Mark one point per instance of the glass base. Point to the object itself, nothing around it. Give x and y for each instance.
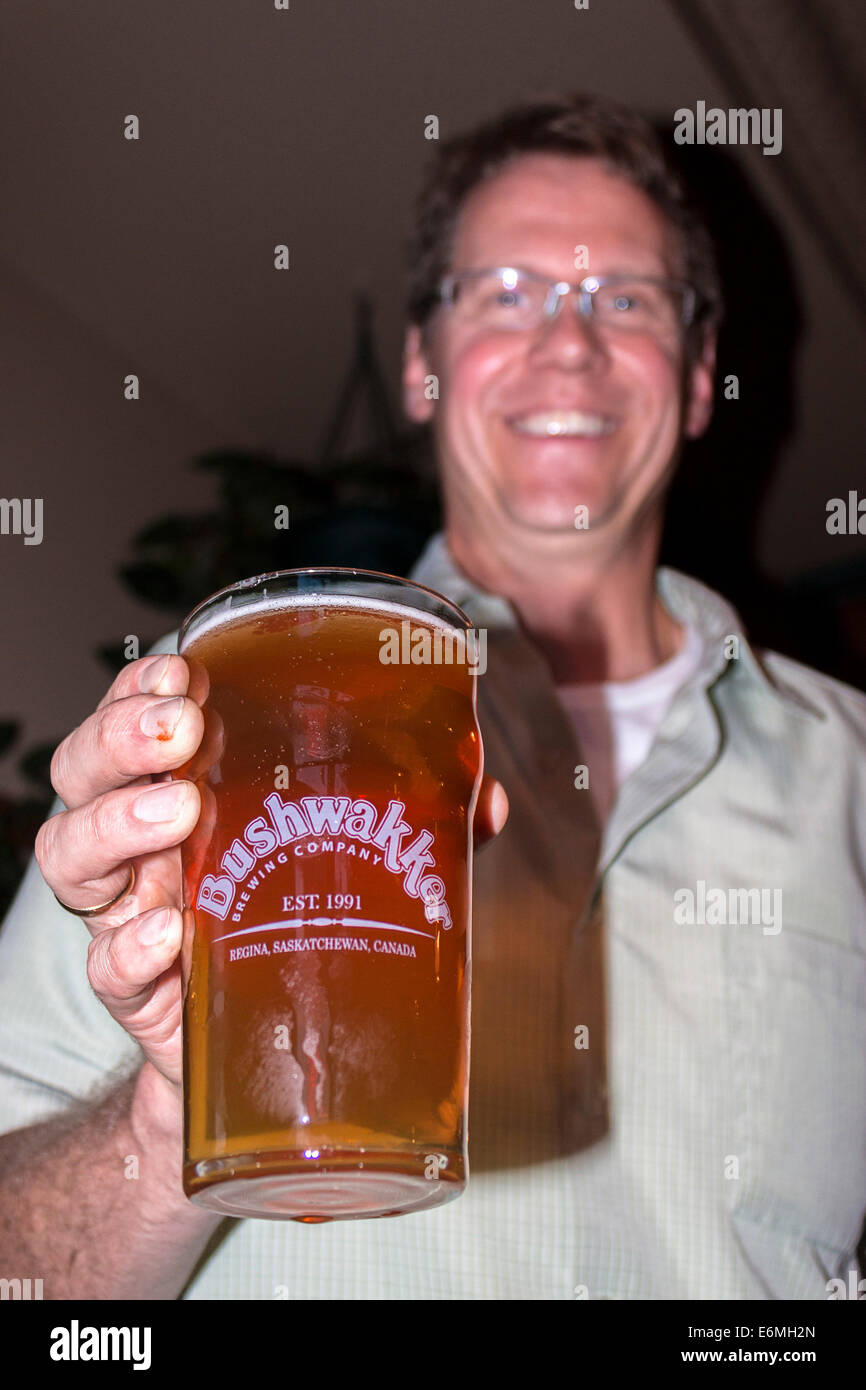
(278, 1187)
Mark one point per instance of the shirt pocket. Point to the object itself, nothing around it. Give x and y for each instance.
(797, 1014)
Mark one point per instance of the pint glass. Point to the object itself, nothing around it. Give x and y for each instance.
(327, 895)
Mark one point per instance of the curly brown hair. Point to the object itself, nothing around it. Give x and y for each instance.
(572, 124)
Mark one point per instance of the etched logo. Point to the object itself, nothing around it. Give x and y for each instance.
(290, 821)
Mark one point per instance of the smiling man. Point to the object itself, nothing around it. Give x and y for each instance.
(544, 410)
(668, 1101)
(565, 297)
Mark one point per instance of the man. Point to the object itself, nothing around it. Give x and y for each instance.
(669, 957)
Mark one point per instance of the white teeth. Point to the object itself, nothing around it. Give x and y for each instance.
(563, 422)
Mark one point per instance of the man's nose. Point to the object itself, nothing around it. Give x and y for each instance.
(570, 336)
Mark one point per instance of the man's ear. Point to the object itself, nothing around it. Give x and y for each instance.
(416, 370)
(700, 382)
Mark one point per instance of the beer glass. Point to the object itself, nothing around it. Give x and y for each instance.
(327, 895)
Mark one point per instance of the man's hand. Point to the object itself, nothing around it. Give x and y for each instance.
(119, 814)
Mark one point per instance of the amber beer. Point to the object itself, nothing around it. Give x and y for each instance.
(327, 892)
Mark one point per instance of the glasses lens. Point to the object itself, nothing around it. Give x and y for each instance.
(642, 306)
(499, 300)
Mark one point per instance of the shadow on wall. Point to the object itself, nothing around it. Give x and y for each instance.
(720, 489)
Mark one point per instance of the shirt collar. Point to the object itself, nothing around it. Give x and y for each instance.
(723, 639)
(437, 569)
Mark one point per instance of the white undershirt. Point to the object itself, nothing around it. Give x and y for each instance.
(616, 721)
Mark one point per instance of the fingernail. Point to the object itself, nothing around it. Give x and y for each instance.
(161, 720)
(152, 927)
(160, 803)
(152, 674)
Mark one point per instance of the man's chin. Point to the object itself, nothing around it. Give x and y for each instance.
(552, 518)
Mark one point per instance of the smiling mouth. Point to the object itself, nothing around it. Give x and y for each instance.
(562, 424)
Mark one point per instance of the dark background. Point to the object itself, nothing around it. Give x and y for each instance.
(306, 126)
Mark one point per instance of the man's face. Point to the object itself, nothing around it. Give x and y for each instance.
(630, 394)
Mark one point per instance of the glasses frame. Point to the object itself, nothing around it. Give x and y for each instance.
(557, 290)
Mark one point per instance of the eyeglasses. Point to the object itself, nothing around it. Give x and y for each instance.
(514, 300)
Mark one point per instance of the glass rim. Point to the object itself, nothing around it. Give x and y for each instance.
(240, 585)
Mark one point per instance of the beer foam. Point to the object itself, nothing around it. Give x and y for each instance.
(395, 613)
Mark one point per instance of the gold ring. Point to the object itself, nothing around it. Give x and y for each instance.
(103, 907)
